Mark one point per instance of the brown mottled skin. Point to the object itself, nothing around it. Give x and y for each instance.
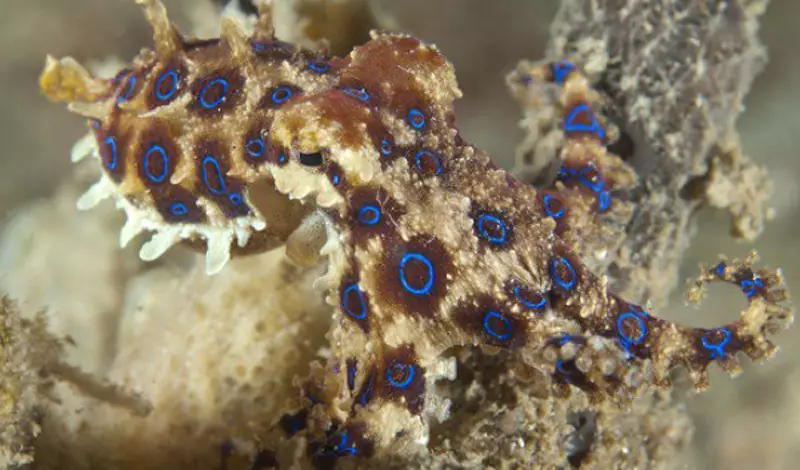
(429, 245)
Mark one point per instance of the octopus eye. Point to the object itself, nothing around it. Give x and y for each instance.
(311, 159)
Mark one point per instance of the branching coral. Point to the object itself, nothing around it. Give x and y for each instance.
(31, 360)
(674, 75)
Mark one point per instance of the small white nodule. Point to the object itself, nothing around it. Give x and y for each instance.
(99, 191)
(219, 251)
(158, 245)
(83, 148)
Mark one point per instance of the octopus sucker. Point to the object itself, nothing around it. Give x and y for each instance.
(428, 244)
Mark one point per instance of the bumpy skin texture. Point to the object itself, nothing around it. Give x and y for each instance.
(429, 245)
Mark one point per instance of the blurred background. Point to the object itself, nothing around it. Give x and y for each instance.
(752, 423)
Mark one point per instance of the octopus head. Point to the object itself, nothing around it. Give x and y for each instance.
(325, 145)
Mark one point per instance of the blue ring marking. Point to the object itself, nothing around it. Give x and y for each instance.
(495, 240)
(179, 209)
(345, 295)
(409, 370)
(564, 372)
(336, 179)
(343, 447)
(749, 286)
(716, 349)
(567, 284)
(421, 153)
(255, 147)
(720, 270)
(216, 81)
(426, 288)
(235, 198)
(564, 339)
(624, 338)
(218, 171)
(561, 69)
(281, 94)
(566, 173)
(546, 200)
(369, 214)
(506, 323)
(346, 446)
(128, 91)
(112, 145)
(173, 76)
(282, 158)
(528, 303)
(319, 66)
(367, 393)
(416, 118)
(603, 201)
(594, 127)
(156, 178)
(357, 93)
(595, 187)
(386, 147)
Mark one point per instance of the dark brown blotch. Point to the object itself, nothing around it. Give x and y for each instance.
(256, 147)
(551, 204)
(365, 95)
(156, 156)
(367, 390)
(564, 269)
(634, 329)
(403, 379)
(348, 441)
(372, 213)
(719, 343)
(216, 92)
(273, 50)
(280, 95)
(354, 302)
(213, 179)
(336, 176)
(178, 205)
(493, 228)
(581, 120)
(414, 275)
(527, 298)
(492, 321)
(166, 84)
(128, 84)
(113, 145)
(427, 162)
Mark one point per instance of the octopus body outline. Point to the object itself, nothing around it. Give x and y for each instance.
(428, 244)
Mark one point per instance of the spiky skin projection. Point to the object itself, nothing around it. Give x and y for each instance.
(429, 245)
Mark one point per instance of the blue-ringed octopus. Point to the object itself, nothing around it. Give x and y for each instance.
(429, 245)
